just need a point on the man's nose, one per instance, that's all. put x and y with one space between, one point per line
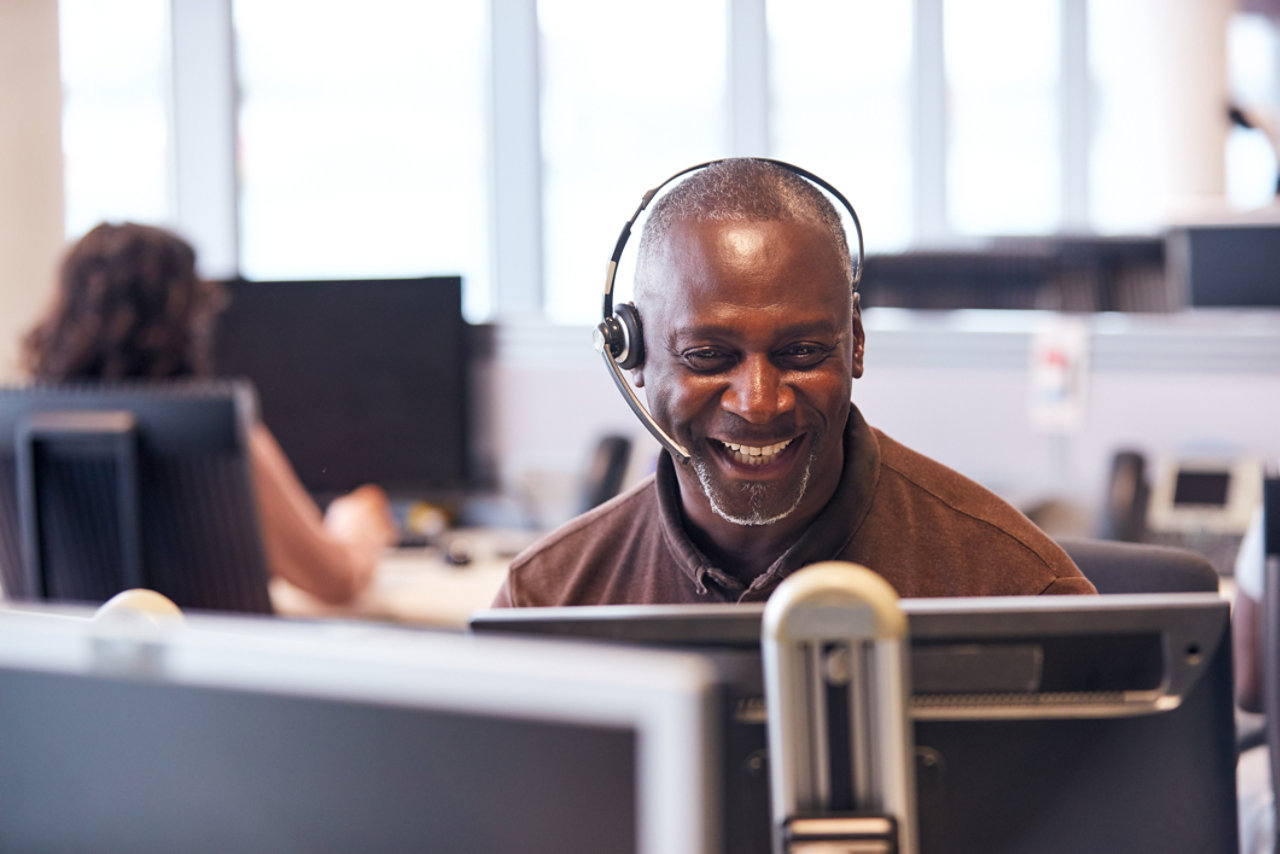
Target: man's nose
758 392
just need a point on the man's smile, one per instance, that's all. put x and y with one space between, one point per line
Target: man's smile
756 456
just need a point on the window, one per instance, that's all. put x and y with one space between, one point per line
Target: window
115 133
363 145
1125 161
1253 56
366 132
1004 157
840 99
631 92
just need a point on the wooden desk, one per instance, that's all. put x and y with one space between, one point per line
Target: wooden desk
418 586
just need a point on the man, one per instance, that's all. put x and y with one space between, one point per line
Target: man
752 338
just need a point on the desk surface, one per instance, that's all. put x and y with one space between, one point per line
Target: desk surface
417 585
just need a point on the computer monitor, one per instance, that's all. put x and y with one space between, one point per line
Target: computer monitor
361 381
105 487
252 734
1205 493
1226 265
1055 724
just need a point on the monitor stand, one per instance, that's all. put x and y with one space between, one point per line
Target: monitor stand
836 685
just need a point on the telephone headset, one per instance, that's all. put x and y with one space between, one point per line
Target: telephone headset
618 338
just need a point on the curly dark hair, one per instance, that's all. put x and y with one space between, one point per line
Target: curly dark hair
129 305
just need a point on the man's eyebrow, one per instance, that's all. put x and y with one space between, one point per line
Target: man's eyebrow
789 330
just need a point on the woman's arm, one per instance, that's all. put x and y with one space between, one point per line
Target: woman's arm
334 557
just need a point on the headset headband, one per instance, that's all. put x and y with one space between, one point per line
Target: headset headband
625 235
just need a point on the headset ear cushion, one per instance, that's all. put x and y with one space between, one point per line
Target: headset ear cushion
629 318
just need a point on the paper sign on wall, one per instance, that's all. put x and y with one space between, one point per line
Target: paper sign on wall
1059 375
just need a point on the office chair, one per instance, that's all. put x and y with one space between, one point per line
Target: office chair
1124 567
1120 567
606 471
109 487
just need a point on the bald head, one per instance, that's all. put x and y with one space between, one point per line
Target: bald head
736 190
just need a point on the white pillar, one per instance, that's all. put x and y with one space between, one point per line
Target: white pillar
31 217
1192 38
1159 95
1182 62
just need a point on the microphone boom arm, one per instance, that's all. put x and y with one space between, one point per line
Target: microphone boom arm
676 450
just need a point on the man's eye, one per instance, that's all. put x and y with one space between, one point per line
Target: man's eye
706 359
805 355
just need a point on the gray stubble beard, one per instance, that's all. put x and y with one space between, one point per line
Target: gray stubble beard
756 494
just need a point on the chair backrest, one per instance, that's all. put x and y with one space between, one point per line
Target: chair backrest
106 487
606 471
1120 567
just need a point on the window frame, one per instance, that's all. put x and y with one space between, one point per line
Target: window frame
203 168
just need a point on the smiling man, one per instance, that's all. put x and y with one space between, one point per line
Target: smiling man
752 338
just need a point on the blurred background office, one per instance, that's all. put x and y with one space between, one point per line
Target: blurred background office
506 141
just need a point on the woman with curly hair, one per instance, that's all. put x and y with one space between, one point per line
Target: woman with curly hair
129 305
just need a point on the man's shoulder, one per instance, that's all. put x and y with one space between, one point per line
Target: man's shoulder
923 477
595 525
972 522
571 562
935 478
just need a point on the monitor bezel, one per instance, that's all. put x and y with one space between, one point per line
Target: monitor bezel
664 697
1194 687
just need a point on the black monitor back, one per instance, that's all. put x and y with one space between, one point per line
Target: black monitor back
1047 724
361 381
108 487
1227 265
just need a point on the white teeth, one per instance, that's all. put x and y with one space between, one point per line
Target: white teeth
756 456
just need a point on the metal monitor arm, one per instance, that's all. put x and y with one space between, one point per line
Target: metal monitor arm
836 687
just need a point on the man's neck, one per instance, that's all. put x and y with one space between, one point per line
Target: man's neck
747 552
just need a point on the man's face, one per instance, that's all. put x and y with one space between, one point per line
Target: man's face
752 342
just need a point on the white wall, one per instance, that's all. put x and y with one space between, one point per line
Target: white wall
953 386
31 233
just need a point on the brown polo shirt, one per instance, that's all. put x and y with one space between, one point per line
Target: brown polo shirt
927 529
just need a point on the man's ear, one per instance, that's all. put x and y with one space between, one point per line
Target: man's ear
859 335
637 377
